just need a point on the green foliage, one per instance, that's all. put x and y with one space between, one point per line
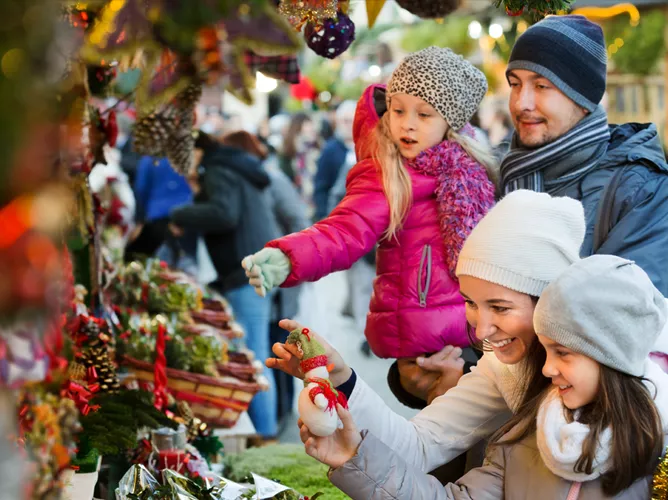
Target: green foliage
86 462
452 33
176 354
643 45
112 429
287 463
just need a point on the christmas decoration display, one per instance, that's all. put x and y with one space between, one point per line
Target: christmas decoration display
429 9
317 401
332 37
47 429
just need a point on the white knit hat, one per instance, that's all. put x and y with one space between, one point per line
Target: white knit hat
524 242
606 308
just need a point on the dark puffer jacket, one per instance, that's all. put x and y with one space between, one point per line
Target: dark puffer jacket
232 211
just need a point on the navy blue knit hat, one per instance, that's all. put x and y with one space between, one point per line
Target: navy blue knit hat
570 52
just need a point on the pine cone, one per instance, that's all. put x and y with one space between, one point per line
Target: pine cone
190 96
180 152
152 132
98 357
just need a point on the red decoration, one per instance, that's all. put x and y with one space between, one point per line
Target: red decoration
306 333
160 370
309 364
514 13
304 90
111 128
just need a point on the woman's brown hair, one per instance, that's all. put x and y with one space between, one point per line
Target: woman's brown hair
248 142
625 405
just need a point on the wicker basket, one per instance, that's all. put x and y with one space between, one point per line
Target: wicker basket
218 401
241 365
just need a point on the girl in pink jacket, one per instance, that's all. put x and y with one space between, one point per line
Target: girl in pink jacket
421 184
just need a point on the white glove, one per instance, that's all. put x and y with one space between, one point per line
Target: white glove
266 269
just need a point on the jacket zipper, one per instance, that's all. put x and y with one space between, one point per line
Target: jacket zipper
424 260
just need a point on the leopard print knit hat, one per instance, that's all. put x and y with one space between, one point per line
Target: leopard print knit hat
447 81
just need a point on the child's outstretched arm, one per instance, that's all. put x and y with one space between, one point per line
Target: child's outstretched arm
333 244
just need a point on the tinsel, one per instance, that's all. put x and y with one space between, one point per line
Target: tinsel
660 483
299 12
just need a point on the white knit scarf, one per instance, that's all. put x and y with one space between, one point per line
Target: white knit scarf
560 442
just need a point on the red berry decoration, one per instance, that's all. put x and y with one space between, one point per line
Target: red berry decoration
514 13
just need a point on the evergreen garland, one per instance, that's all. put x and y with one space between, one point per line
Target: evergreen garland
113 428
537 8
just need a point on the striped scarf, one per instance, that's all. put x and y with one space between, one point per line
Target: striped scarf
558 164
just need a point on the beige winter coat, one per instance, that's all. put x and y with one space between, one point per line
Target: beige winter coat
512 472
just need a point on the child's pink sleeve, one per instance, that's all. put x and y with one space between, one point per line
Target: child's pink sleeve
350 232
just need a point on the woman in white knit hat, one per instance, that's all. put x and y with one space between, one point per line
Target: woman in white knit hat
514 252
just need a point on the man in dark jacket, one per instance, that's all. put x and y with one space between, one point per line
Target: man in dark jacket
564 146
233 185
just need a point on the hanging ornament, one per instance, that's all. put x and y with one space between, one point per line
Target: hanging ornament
373 8
299 12
182 143
153 131
429 9
332 38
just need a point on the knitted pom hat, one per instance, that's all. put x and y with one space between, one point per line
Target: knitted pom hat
447 81
524 242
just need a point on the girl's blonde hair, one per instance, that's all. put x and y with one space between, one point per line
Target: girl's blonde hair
396 181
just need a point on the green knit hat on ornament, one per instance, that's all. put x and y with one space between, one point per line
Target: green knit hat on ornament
312 350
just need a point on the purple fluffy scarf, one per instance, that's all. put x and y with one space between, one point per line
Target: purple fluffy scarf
464 192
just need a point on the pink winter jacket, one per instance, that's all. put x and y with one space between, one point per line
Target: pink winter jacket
416 307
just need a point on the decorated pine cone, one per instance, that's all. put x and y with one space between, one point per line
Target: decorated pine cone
429 9
98 358
152 133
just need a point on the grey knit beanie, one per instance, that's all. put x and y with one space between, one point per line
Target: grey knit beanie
606 308
524 242
447 81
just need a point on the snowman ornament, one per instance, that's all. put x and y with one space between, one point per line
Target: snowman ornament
317 401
